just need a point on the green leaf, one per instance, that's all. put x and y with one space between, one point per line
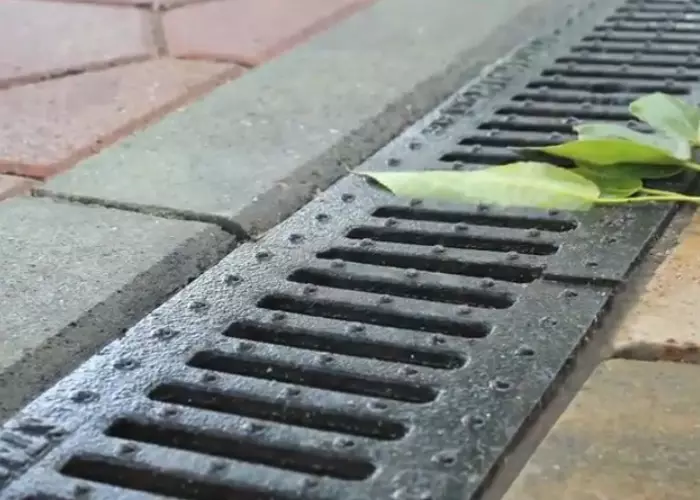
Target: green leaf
674 146
528 184
610 151
611 186
638 171
669 115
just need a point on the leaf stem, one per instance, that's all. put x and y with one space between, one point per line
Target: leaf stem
691 166
660 192
645 199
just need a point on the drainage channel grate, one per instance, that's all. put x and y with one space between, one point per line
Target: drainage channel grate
369 347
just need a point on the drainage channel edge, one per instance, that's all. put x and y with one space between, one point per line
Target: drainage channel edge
367 347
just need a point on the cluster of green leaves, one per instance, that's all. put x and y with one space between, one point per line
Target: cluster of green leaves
611 164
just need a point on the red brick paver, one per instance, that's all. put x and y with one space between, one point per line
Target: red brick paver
39 38
12 186
249 31
47 126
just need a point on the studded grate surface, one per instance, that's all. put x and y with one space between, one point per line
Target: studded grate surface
370 347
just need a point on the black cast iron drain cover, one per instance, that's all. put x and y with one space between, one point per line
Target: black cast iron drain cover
369 347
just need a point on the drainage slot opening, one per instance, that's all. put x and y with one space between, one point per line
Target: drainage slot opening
492 220
451 240
576 98
528 126
608 87
176 484
212 442
561 112
621 75
283 411
372 315
272 369
350 346
485 158
502 272
512 141
419 291
633 48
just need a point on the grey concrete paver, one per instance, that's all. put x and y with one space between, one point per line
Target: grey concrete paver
75 277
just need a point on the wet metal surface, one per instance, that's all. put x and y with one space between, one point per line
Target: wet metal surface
369 347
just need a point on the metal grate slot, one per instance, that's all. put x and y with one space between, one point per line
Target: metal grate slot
482 156
579 71
650 61
509 139
650 8
283 411
243 448
352 345
452 240
582 113
374 282
309 376
602 86
374 315
576 97
135 476
512 221
552 125
637 26
655 17
414 260
459 158
634 48
659 38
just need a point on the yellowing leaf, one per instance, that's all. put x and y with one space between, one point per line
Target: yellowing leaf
610 151
674 146
525 184
669 115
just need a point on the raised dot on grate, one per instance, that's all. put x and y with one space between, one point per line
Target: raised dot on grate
526 351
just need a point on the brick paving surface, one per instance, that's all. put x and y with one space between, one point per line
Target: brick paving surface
40 39
664 324
249 32
76 76
11 185
632 433
49 125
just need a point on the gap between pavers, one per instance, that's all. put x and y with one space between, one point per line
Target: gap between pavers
663 324
255 150
632 433
76 277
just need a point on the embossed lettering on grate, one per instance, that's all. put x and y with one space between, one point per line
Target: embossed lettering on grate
370 347
644 47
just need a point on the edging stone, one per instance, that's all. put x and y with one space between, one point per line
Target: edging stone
76 277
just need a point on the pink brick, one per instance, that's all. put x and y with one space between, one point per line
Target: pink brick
39 38
48 126
250 31
12 186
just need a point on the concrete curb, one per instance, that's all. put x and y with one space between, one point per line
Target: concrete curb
79 279
256 149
